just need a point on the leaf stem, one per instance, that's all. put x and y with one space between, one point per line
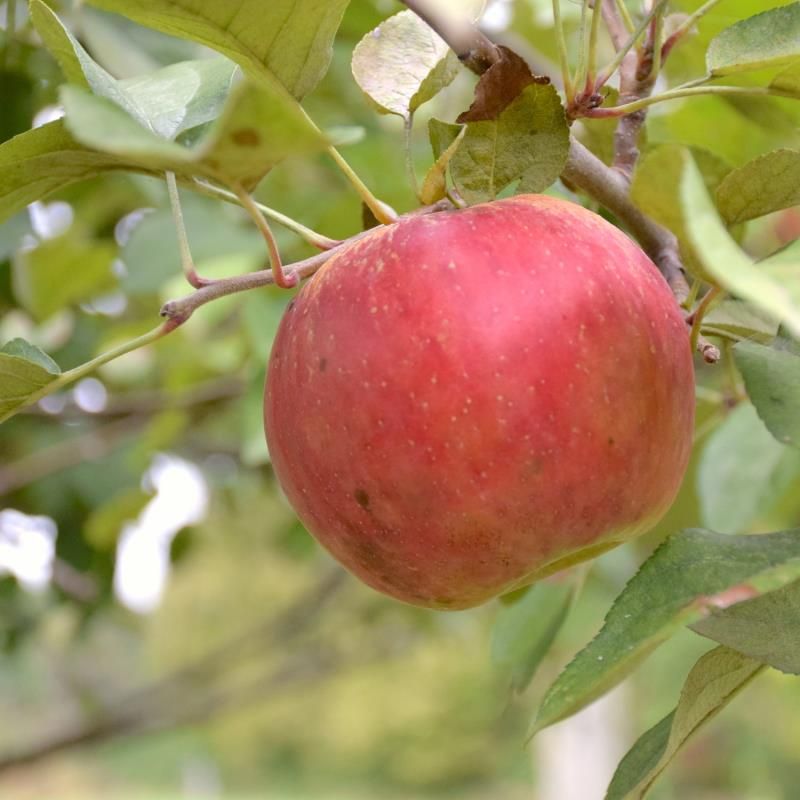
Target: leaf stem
686 91
625 14
686 26
582 69
561 45
697 315
187 263
72 375
384 213
286 280
606 73
591 57
408 127
657 31
312 237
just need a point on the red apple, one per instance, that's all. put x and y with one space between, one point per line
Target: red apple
464 402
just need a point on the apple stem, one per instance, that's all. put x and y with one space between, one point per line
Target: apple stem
187 263
284 279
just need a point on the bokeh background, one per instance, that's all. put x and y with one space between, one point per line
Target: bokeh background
167 628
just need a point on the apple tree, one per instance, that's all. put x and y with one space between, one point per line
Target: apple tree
582 303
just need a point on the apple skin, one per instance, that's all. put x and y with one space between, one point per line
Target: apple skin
464 402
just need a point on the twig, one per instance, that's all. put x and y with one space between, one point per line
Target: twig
583 169
178 311
615 24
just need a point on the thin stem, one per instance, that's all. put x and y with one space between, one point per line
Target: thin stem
284 280
312 237
657 29
66 378
591 58
408 127
625 14
606 73
687 25
561 45
583 52
700 312
187 263
686 91
178 311
384 213
693 292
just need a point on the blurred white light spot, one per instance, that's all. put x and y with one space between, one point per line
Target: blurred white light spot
497 16
142 565
127 225
110 305
90 395
47 114
49 220
27 548
53 403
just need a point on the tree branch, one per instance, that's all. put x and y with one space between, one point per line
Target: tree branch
608 186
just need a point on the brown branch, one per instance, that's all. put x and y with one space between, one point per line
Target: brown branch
614 24
606 185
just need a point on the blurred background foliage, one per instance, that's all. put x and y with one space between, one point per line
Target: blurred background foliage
161 606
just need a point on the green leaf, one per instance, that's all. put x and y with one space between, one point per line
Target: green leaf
712 683
687 576
788 80
445 138
257 129
525 629
24 369
402 64
766 184
764 628
736 319
771 39
22 349
104 125
528 140
61 271
739 472
772 378
656 188
721 257
285 43
43 160
166 102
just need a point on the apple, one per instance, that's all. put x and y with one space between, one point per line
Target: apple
464 402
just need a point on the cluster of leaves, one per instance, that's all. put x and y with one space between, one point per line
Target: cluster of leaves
220 124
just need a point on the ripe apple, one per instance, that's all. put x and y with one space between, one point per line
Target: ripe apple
463 402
